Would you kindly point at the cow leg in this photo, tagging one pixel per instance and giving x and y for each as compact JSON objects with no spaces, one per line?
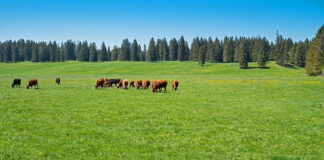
{"x":165,"y":89}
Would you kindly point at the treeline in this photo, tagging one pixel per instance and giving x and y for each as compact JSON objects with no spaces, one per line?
{"x":230,"y":49}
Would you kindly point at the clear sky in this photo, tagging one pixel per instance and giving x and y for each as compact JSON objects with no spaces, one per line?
{"x":113,"y":20}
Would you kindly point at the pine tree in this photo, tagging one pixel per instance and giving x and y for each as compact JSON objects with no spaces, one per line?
{"x":14,"y":52}
{"x":187,"y":51}
{"x":211,"y":51}
{"x":218,"y":51}
{"x":236,"y":49}
{"x":134,"y":51}
{"x":108,"y":57}
{"x":300,"y":54}
{"x":93,"y":53}
{"x":193,"y":55}
{"x":164,"y":49}
{"x":151,"y":52}
{"x":124,"y":52}
{"x":7,"y":52}
{"x":243,"y":54}
{"x":181,"y":49}
{"x":35,"y":55}
{"x":1,"y":52}
{"x":139,"y":52}
{"x":315,"y":54}
{"x":70,"y":50}
{"x":202,"y":52}
{"x":114,"y":53}
{"x":173,"y":49}
{"x":143,"y":57}
{"x":102,"y":55}
{"x":228,"y":53}
{"x":261,"y":52}
{"x":157,"y":49}
{"x":62,"y":55}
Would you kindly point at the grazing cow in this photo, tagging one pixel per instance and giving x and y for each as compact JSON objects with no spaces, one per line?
{"x":146,"y":84}
{"x":131,"y":84}
{"x":175,"y":85}
{"x":31,"y":83}
{"x":16,"y":82}
{"x":125,"y":83}
{"x":58,"y":81}
{"x":114,"y":81}
{"x":100,"y":83}
{"x":120,"y":84}
{"x":159,"y":84}
{"x":138,"y":84}
{"x":107,"y":83}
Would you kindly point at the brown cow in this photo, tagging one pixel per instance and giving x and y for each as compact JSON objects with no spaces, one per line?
{"x":131,"y":84}
{"x":125,"y":83}
{"x":120,"y":83}
{"x":159,"y":84}
{"x":175,"y":85}
{"x":31,"y":83}
{"x":138,"y":84}
{"x":146,"y":84}
{"x":100,"y":83}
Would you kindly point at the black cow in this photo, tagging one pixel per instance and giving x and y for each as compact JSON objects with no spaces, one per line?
{"x":58,"y":81}
{"x":114,"y":81}
{"x":16,"y":82}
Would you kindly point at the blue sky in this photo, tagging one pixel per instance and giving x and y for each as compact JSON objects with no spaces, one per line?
{"x":113,"y":20}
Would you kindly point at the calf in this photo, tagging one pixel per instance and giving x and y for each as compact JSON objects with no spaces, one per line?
{"x":175,"y":85}
{"x":120,"y":84}
{"x":16,"y":82}
{"x":146,"y":84}
{"x":138,"y":84}
{"x":31,"y":83}
{"x":131,"y":84}
{"x":100,"y":83}
{"x":58,"y":81}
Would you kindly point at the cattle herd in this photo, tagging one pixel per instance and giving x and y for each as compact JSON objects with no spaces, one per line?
{"x":157,"y":85}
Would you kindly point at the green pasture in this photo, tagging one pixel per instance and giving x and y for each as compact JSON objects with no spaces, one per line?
{"x":219,"y":112}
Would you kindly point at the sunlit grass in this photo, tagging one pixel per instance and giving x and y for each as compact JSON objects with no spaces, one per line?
{"x":219,"y":112}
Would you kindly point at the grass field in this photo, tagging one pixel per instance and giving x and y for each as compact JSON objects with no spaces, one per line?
{"x":219,"y":112}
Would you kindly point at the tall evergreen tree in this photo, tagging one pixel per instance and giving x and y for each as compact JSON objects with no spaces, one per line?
{"x":164,"y":50}
{"x":187,"y":51}
{"x":35,"y":55}
{"x":181,"y":49}
{"x":202,"y":52}
{"x":300,"y":54}
{"x":102,"y":55}
{"x":124,"y":52}
{"x":7,"y":51}
{"x":114,"y":53}
{"x":157,"y":49}
{"x":93,"y":52}
{"x":194,"y":49}
{"x":108,"y":54}
{"x":228,"y":53}
{"x":62,"y":52}
{"x":261,"y":52}
{"x":243,"y":54}
{"x":143,"y":57}
{"x":173,"y":49}
{"x":315,"y":54}
{"x":218,"y":51}
{"x":70,"y":50}
{"x":211,"y":53}
{"x":134,"y":51}
{"x":151,"y":52}
{"x":1,"y":52}
{"x":14,"y":52}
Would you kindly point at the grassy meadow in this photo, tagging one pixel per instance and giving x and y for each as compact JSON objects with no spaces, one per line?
{"x":219,"y":112}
